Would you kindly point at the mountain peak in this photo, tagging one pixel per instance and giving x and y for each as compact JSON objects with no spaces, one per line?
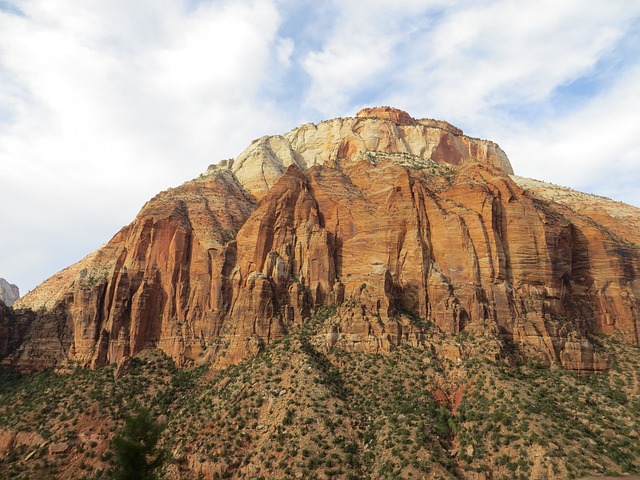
{"x":402,"y":118}
{"x":340,"y":142}
{"x":395,"y":115}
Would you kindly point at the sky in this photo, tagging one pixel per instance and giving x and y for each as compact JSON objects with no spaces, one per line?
{"x":104,"y":104}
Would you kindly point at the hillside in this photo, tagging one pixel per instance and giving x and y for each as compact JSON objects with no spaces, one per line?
{"x":443,"y":409}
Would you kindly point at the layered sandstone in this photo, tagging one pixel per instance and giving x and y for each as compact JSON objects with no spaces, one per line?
{"x":373,"y":133}
{"x":161,"y":281}
{"x":386,"y":217}
{"x":619,"y":218}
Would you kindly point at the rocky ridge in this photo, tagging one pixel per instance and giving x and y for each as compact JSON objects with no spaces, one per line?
{"x":374,"y":133}
{"x":388,"y":218}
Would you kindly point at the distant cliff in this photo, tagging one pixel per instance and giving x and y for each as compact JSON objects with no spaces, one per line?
{"x":8,"y":293}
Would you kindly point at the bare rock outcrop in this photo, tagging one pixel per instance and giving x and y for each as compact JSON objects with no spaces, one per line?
{"x":9,"y":293}
{"x":374,"y":133}
{"x":387,"y":218}
{"x":395,"y":115}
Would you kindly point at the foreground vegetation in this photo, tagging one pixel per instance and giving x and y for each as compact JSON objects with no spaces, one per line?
{"x":298,"y":410}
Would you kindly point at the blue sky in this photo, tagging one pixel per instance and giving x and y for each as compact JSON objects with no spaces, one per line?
{"x":103,"y":104}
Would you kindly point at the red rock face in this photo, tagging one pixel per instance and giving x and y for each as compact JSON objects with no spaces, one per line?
{"x":477,"y":250}
{"x":161,"y":281}
{"x":395,"y":115}
{"x":209,"y":275}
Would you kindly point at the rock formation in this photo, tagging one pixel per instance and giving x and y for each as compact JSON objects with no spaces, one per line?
{"x":386,"y":217}
{"x":8,"y":293}
{"x":13,"y":327}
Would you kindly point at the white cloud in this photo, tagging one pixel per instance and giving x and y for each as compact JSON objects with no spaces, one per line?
{"x":285,"y":50}
{"x":499,"y":52}
{"x":595,"y":148}
{"x":212,"y":46}
{"x":104,"y":104}
{"x":358,"y":49}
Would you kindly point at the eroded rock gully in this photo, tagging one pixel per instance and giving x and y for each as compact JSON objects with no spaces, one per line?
{"x":385,"y":217}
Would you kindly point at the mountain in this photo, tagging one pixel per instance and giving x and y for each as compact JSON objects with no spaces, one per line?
{"x":371,"y":297}
{"x":9,"y":293}
{"x":386,"y":217}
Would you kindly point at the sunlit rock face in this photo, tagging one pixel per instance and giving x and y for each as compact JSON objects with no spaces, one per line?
{"x":9,"y":293}
{"x":382,"y":215}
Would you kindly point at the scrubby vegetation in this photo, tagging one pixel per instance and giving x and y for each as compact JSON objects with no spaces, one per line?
{"x":298,"y":410}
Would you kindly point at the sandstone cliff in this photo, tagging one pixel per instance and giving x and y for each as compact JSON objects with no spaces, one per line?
{"x":386,"y":217}
{"x":9,"y":293}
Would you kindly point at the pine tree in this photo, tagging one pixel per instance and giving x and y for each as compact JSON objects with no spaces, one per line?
{"x":137,"y":455}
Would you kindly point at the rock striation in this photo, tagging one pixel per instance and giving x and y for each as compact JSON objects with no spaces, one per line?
{"x":375,"y":132}
{"x":9,"y":293}
{"x":388,"y":218}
